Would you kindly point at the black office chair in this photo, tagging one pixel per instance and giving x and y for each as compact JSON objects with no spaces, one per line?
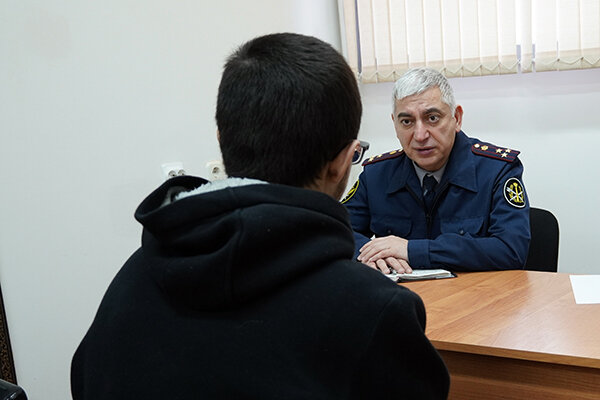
{"x":10,"y":391}
{"x":543,"y":248}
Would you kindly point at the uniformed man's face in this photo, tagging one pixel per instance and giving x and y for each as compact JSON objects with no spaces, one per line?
{"x":426,"y":128}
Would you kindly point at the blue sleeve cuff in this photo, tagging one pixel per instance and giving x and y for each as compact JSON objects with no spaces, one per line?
{"x":418,"y":253}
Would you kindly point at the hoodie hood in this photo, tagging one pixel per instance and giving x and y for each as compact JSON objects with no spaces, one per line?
{"x":222,"y":248}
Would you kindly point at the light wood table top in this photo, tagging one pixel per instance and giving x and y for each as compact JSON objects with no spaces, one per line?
{"x":525,"y":315}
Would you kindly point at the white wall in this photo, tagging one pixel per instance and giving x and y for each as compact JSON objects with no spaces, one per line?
{"x":553,"y":119}
{"x":94,"y":97}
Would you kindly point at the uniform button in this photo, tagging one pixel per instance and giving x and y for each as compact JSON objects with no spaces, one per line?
{"x":389,"y":231}
{"x":461,"y":231}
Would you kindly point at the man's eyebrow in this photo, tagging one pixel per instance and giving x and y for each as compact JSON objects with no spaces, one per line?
{"x":433,"y":110}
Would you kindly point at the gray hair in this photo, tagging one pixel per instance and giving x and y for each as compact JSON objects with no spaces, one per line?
{"x":418,"y":80}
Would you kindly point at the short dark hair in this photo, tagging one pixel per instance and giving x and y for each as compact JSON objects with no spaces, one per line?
{"x":287,"y":105}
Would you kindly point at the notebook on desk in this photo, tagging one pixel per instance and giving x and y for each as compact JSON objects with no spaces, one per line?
{"x":421,"y":274}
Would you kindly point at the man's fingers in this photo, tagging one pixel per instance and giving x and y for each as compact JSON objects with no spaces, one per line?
{"x":407,"y":268}
{"x":399,"y":265}
{"x":382,"y":266}
{"x":395,"y":264}
{"x":374,"y":253}
{"x":369,"y":264}
{"x":368,"y":251}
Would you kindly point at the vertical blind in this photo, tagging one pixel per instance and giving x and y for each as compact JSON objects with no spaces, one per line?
{"x":384,"y":38}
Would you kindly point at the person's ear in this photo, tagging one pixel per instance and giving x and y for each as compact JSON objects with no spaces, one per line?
{"x":458,"y":114}
{"x":337,"y":168}
{"x":218,"y":136}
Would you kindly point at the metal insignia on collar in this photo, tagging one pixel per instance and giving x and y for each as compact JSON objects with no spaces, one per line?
{"x":351,"y":192}
{"x":514,"y":193}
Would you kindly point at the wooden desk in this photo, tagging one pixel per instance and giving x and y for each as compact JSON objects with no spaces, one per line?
{"x":513,"y":335}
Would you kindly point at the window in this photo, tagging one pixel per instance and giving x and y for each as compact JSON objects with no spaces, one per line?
{"x":384,"y":38}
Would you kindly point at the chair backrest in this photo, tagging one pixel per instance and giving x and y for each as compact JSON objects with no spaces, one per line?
{"x":543,"y":248}
{"x":10,"y":391}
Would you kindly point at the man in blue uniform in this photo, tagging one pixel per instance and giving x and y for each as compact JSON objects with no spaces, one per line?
{"x":445,"y":200}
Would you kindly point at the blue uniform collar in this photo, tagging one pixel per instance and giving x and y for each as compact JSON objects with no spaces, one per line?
{"x":403,"y":176}
{"x":460,"y":169}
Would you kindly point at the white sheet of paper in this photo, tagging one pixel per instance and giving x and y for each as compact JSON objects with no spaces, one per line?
{"x":586,"y":288}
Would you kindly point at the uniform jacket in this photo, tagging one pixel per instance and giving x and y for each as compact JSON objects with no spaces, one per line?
{"x":480,"y":216}
{"x":250,"y":292}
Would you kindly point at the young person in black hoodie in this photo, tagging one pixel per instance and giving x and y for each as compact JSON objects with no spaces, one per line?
{"x":245,"y":288}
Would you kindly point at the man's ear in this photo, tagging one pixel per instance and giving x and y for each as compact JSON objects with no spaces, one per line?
{"x":218,"y":136}
{"x":458,"y":113}
{"x":336,"y":169}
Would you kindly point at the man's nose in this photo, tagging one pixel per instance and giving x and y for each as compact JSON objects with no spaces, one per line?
{"x":421,"y":131}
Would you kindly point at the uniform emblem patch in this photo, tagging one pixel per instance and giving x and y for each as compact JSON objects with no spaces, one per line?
{"x":351,"y":192}
{"x":514,"y":193}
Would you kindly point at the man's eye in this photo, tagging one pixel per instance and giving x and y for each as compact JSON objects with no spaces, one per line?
{"x":405,"y":122}
{"x":434,"y":118}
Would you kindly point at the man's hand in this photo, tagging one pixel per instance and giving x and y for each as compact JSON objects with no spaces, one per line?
{"x":386,"y":265}
{"x":385,"y":253}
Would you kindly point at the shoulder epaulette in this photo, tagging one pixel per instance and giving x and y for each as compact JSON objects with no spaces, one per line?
{"x":384,"y":156}
{"x":491,"y":151}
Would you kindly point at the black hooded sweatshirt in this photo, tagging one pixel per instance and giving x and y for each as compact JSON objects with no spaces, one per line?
{"x":249,"y":292}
